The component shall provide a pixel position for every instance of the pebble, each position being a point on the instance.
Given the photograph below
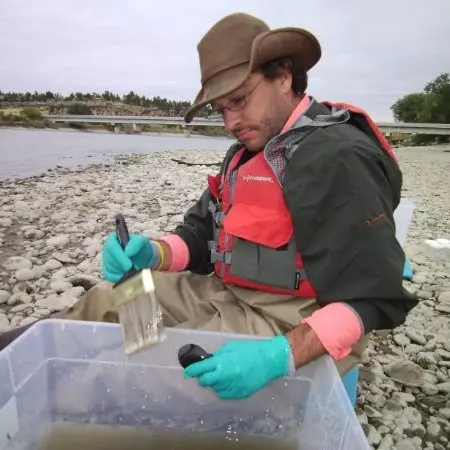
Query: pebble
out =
(444, 387)
(373, 436)
(427, 359)
(5, 222)
(41, 312)
(13, 299)
(4, 323)
(362, 418)
(418, 429)
(444, 297)
(415, 336)
(387, 443)
(433, 431)
(17, 263)
(392, 408)
(64, 257)
(443, 308)
(27, 321)
(401, 339)
(443, 353)
(412, 415)
(405, 444)
(34, 234)
(444, 413)
(403, 398)
(4, 296)
(26, 274)
(19, 308)
(60, 286)
(52, 264)
(58, 241)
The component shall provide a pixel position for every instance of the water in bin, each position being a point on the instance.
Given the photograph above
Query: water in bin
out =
(99, 437)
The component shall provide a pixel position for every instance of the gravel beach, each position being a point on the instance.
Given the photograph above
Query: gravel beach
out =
(51, 232)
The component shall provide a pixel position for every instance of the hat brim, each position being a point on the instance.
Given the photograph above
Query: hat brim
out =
(281, 43)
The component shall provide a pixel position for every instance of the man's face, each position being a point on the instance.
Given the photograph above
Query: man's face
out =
(256, 111)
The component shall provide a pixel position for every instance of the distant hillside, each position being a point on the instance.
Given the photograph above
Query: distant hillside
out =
(107, 103)
(28, 110)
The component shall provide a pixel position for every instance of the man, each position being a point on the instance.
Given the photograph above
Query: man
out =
(294, 239)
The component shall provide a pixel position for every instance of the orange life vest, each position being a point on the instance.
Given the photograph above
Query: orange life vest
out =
(254, 245)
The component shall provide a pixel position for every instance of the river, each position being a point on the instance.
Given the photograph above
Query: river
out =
(25, 152)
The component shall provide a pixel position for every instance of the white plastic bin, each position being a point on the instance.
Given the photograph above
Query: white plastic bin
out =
(78, 372)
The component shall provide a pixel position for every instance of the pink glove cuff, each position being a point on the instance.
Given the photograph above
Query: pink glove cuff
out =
(338, 327)
(180, 252)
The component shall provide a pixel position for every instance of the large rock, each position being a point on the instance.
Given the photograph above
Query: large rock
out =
(406, 373)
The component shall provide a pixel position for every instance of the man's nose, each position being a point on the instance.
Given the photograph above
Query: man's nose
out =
(231, 120)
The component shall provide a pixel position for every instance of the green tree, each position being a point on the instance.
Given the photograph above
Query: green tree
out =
(409, 108)
(438, 85)
(430, 106)
(437, 107)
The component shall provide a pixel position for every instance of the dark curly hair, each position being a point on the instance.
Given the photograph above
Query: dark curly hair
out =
(271, 70)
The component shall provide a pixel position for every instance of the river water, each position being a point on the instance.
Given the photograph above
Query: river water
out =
(25, 152)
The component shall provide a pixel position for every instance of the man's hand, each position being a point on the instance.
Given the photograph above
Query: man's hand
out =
(241, 368)
(116, 262)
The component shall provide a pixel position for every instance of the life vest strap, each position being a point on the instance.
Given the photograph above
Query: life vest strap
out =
(220, 257)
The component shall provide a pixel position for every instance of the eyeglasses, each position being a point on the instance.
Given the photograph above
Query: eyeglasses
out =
(238, 103)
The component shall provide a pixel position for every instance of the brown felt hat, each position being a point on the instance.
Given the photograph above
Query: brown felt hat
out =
(239, 43)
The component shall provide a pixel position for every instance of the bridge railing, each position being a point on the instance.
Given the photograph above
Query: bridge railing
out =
(387, 127)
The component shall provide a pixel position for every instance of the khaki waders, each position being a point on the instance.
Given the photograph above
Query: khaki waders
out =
(202, 302)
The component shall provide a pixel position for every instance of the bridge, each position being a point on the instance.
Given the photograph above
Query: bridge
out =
(386, 127)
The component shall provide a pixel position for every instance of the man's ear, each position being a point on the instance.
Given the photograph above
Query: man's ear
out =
(284, 81)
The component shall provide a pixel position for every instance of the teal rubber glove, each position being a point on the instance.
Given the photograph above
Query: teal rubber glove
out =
(241, 368)
(139, 253)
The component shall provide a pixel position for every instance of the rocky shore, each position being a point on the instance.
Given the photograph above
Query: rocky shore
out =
(51, 233)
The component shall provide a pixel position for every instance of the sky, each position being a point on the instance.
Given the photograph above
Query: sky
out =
(373, 53)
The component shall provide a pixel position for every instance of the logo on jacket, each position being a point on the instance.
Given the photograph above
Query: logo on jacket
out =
(257, 178)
